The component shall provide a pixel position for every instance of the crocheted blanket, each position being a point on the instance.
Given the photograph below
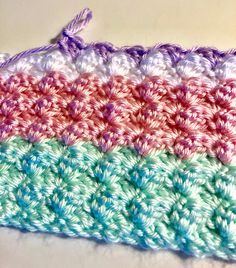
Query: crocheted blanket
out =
(133, 145)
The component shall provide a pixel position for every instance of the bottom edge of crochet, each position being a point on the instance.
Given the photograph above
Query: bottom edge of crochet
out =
(158, 201)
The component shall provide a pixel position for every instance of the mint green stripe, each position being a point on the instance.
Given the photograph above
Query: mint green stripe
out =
(157, 201)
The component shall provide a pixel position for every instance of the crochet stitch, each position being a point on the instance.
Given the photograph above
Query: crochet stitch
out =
(133, 145)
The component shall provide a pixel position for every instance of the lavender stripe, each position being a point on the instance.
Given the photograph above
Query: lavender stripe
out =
(72, 45)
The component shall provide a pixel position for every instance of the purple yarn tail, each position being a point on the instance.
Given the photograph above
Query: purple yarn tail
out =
(66, 42)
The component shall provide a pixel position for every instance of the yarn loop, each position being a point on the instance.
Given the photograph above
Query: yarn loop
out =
(69, 42)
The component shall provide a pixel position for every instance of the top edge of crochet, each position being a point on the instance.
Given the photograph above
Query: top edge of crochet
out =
(175, 47)
(72, 44)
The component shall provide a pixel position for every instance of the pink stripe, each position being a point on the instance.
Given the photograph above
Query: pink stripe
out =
(189, 118)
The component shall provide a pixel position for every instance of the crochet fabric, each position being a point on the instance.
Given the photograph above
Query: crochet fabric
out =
(133, 145)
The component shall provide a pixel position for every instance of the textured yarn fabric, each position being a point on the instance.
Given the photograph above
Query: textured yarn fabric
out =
(132, 145)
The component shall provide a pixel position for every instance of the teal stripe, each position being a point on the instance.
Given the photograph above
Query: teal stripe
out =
(157, 201)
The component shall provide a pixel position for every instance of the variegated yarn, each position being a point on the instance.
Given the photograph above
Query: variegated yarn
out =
(134, 145)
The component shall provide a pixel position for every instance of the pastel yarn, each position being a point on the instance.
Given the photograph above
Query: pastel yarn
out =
(131, 145)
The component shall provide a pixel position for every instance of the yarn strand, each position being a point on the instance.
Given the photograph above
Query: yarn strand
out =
(68, 33)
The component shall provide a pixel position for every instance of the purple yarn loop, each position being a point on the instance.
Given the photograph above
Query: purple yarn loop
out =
(68, 41)
(70, 44)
